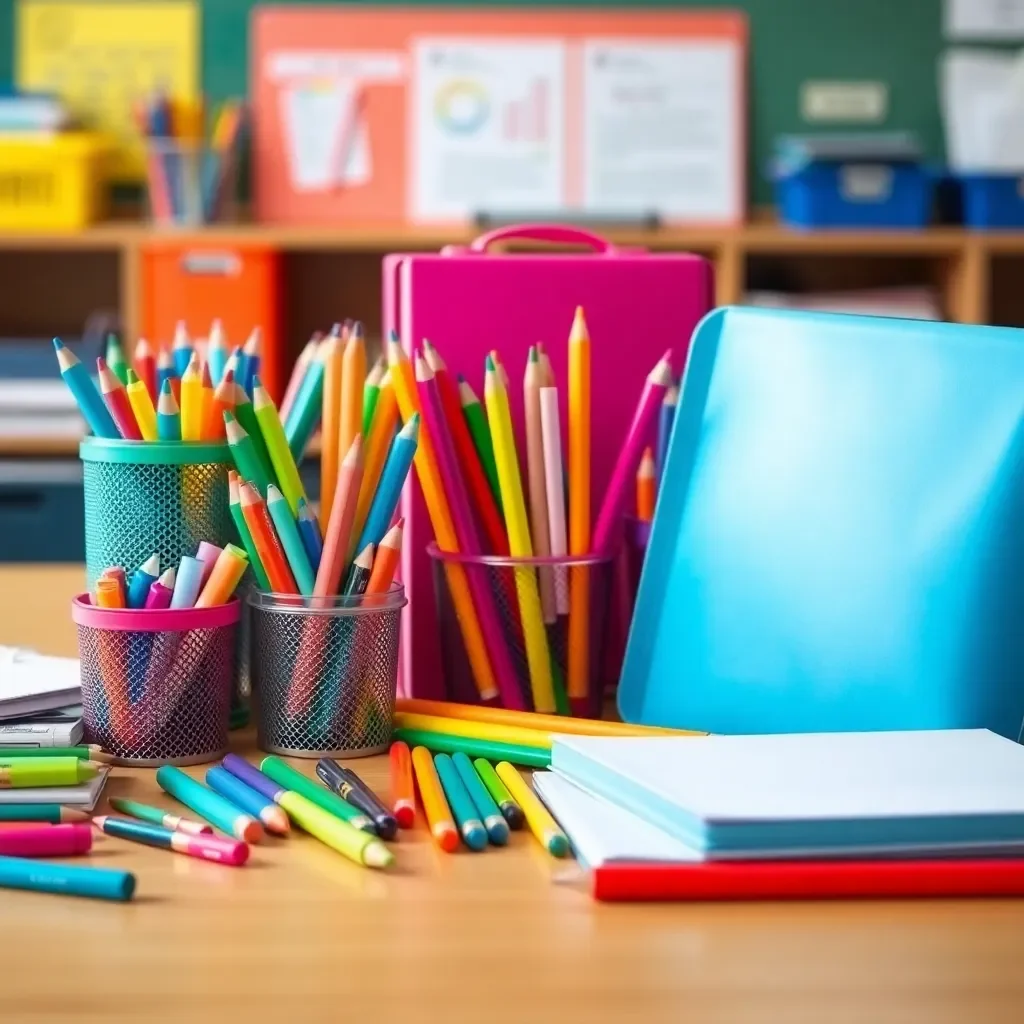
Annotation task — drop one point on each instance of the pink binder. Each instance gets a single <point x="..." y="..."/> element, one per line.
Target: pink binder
<point x="468" y="300"/>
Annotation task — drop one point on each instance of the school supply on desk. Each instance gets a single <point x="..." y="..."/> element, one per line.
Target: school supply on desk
<point x="234" y="790"/>
<point x="510" y="810"/>
<point x="98" y="883"/>
<point x="84" y="796"/>
<point x="46" y="841"/>
<point x="52" y="813"/>
<point x="90" y="752"/>
<point x="486" y="808"/>
<point x="795" y="616"/>
<point x="810" y="795"/>
<point x="347" y="784"/>
<point x="204" y="847"/>
<point x="435" y="806"/>
<point x="531" y="756"/>
<point x="296" y="782"/>
<point x="541" y="824"/>
<point x="25" y="772"/>
<point x="669" y="296"/>
<point x="208" y="805"/>
<point x="471" y="828"/>
<point x="157" y="816"/>
<point x="403" y="787"/>
<point x="31" y="683"/>
<point x="58" y="727"/>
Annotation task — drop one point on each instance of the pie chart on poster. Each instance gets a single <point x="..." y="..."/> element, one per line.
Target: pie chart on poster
<point x="462" y="106"/>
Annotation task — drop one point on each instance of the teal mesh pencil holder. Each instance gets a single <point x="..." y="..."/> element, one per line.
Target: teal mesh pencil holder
<point x="159" y="496"/>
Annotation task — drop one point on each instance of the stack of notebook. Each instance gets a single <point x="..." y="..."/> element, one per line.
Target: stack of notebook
<point x="809" y="815"/>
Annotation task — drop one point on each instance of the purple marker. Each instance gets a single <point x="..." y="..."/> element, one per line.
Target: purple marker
<point x="253" y="777"/>
<point x="207" y="554"/>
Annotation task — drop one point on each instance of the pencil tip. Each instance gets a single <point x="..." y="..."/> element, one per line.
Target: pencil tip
<point x="489" y="363"/>
<point x="133" y="377"/>
<point x="57" y="344"/>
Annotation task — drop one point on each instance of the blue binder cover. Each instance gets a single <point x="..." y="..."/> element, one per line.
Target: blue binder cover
<point x="839" y="538"/>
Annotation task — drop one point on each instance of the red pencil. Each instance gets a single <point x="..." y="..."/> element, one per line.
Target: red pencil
<point x="116" y="398"/>
<point x="145" y="367"/>
<point x="266" y="541"/>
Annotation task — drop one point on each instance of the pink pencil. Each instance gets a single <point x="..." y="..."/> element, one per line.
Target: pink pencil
<point x="624" y="473"/>
<point x="465" y="532"/>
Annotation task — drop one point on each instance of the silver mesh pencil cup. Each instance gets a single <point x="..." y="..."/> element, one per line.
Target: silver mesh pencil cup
<point x="324" y="672"/>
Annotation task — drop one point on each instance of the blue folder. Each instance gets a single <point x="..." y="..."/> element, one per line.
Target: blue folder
<point x="839" y="538"/>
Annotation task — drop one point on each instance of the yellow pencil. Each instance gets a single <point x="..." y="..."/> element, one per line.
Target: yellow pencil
<point x="382" y="431"/>
<point x="542" y="825"/>
<point x="474" y="730"/>
<point x="538" y="656"/>
<point x="192" y="401"/>
<point x="439" y="815"/>
<point x="579" y="509"/>
<point x="142" y="406"/>
<point x="353" y="377"/>
<point x="404" y="382"/>
<point x="329" y="420"/>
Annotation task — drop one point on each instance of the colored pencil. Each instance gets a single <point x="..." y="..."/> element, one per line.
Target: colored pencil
<point x="285" y="469"/>
<point x="116" y="398"/>
<point x="222" y="401"/>
<point x="437" y="508"/>
<point x="243" y="451"/>
<point x="142" y="579"/>
<point x="52" y="813"/>
<point x="646" y="487"/>
<point x="306" y="356"/>
<point x="208" y="805"/>
<point x="142" y="406"/>
<point x="227" y="574"/>
<point x="533" y="757"/>
<point x="87" y="397"/>
<point x="181" y="348"/>
<point x="474" y="835"/>
<point x="539" y="524"/>
<point x="168" y="418"/>
<point x="540" y="738"/>
<point x="188" y="582"/>
<point x="265" y="539"/>
<point x="538" y="656"/>
<point x="403" y="788"/>
<point x="466" y="534"/>
<point x="158" y="816"/>
<point x="360" y="847"/>
<point x="353" y="376"/>
<point x="145" y="368"/>
<point x="435" y="806"/>
<point x="371" y="392"/>
<point x="330" y="419"/>
<point x="115" y="358"/>
<point x="578" y="645"/>
<point x="378" y="443"/>
<point x="246" y="417"/>
<point x="348" y="785"/>
<point x="542" y="825"/>
<point x="26" y="772"/>
<point x="510" y="810"/>
<point x="392" y="480"/>
<point x="204" y="847"/>
<point x="476" y="480"/>
<point x="339" y="526"/>
<point x="253" y="353"/>
<point x="253" y="777"/>
<point x="294" y="781"/>
<point x="161" y="591"/>
<point x="209" y="428"/>
<point x="36" y="876"/>
<point x="386" y="559"/>
<point x="554" y="486"/>
<point x="84" y="752"/>
<point x="359" y="573"/>
<point x="216" y="351"/>
<point x="288" y="533"/>
<point x="487" y="810"/>
<point x="666" y="419"/>
<point x="309" y="531"/>
<point x="547" y="374"/>
<point x="235" y="791"/>
<point x="192" y="400"/>
<point x="165" y="374"/>
<point x="243" y="531"/>
<point x="304" y="414"/>
<point x="476" y="423"/>
<point x="624" y="473"/>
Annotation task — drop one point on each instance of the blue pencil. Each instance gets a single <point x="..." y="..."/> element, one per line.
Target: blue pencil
<point x="392" y="480"/>
<point x="85" y="393"/>
<point x="309" y="531"/>
<point x="666" y="417"/>
<point x="168" y="417"/>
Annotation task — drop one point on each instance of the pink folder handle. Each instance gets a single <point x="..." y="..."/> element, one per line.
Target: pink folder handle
<point x="557" y="234"/>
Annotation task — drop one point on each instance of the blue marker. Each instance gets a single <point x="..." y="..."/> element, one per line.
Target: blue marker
<point x="41" y="876"/>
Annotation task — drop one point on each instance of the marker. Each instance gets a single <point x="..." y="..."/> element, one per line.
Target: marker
<point x="296" y="782"/>
<point x="46" y="841"/>
<point x="30" y="772"/>
<point x="205" y="847"/>
<point x="221" y="781"/>
<point x="339" y="835"/>
<point x="350" y="787"/>
<point x="98" y="883"/>
<point x="207" y="804"/>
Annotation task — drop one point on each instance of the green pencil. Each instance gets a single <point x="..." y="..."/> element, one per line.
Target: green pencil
<point x="53" y="813"/>
<point x="247" y="459"/>
<point x="371" y="392"/>
<point x="246" y="416"/>
<point x="476" y="420"/>
<point x="89" y="752"/>
<point x="25" y="772"/>
<point x="245" y="535"/>
<point x="288" y="534"/>
<point x="116" y="358"/>
<point x="284" y="775"/>
<point x="532" y="757"/>
<point x="285" y="469"/>
<point x="510" y="810"/>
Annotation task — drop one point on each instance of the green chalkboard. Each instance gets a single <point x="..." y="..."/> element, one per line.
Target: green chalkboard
<point x="791" y="41"/>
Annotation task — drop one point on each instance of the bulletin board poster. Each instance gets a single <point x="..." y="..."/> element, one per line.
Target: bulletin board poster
<point x="103" y="58"/>
<point x="437" y="116"/>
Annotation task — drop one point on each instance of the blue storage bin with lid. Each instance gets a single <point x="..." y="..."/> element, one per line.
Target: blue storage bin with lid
<point x="992" y="200"/>
<point x="872" y="180"/>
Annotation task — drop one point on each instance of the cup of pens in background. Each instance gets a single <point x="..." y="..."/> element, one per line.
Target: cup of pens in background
<point x="157" y="653"/>
<point x="190" y="179"/>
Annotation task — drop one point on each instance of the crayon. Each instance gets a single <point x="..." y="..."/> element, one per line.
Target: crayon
<point x="435" y="805"/>
<point x="474" y="835"/>
<point x="233" y="789"/>
<point x="142" y="579"/>
<point x="168" y="417"/>
<point x="89" y="401"/>
<point x="510" y="810"/>
<point x="361" y="847"/>
<point x="296" y="782"/>
<point x="52" y="813"/>
<point x="116" y="398"/>
<point x="142" y="406"/>
<point x="487" y="809"/>
<point x="533" y="757"/>
<point x="347" y="784"/>
<point x="157" y="816"/>
<point x="281" y="459"/>
<point x="99" y="883"/>
<point x="542" y="825"/>
<point x="291" y="540"/>
<point x="26" y="772"/>
<point x="188" y="583"/>
<point x="46" y="841"/>
<point x="208" y="805"/>
<point x="403" y="791"/>
<point x="309" y="531"/>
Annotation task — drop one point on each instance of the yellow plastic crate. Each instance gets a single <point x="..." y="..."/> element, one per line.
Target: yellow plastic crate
<point x="52" y="183"/>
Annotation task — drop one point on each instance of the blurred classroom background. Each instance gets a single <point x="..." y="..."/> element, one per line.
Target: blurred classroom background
<point x="169" y="161"/>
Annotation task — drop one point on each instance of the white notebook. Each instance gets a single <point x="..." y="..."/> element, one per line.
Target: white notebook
<point x="812" y="794"/>
<point x="30" y="682"/>
<point x="602" y="832"/>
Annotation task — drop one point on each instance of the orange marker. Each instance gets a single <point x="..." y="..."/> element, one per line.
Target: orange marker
<point x="403" y="791"/>
<point x="265" y="540"/>
<point x="227" y="571"/>
<point x="646" y="491"/>
<point x="439" y="816"/>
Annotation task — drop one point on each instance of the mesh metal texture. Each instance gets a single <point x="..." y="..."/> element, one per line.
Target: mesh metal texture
<point x="325" y="681"/>
<point x="241" y="691"/>
<point x="134" y="509"/>
<point x="501" y="581"/>
<point x="158" y="697"/>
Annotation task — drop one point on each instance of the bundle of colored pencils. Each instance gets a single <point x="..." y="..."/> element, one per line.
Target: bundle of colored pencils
<point x="468" y="468"/>
<point x="179" y="393"/>
<point x="358" y="550"/>
<point x="651" y="472"/>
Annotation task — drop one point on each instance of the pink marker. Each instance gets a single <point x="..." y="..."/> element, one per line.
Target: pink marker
<point x="207" y="554"/>
<point x="223" y="851"/>
<point x="161" y="591"/>
<point x="46" y="841"/>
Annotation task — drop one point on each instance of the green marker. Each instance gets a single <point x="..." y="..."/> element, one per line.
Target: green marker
<point x="531" y="757"/>
<point x="291" y="541"/>
<point x="284" y="775"/>
<point x="476" y="420"/>
<point x="510" y="810"/>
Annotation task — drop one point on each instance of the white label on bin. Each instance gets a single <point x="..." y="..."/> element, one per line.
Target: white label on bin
<point x="212" y="264"/>
<point x="865" y="183"/>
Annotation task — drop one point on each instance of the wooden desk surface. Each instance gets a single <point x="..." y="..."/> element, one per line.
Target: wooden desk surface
<point x="483" y="937"/>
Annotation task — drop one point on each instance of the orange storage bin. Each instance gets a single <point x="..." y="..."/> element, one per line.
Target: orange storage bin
<point x="199" y="282"/>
